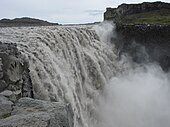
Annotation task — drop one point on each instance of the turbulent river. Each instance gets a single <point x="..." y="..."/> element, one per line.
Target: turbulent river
<point x="80" y="66"/>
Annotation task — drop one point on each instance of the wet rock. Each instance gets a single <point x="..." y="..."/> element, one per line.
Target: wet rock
<point x="5" y="107"/>
<point x="155" y="40"/>
<point x="12" y="96"/>
<point x="6" y="93"/>
<point x="3" y="85"/>
<point x="14" y="70"/>
<point x="30" y="112"/>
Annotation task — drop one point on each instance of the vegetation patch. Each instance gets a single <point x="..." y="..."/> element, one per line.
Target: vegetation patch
<point x="151" y="17"/>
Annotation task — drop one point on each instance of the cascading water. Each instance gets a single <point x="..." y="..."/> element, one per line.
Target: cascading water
<point x="74" y="64"/>
<point x="68" y="64"/>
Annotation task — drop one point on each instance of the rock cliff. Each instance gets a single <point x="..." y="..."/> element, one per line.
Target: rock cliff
<point x="14" y="71"/>
<point x="145" y="25"/>
<point x="154" y="39"/>
<point x="118" y="14"/>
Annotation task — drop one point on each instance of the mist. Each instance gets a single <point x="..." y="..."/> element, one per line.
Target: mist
<point x="138" y="96"/>
<point x="105" y="31"/>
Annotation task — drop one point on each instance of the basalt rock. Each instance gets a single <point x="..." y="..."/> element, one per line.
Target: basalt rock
<point x="29" y="112"/>
<point x="5" y="107"/>
<point x="154" y="39"/>
<point x="14" y="71"/>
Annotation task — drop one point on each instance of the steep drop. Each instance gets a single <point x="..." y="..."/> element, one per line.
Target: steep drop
<point x="67" y="64"/>
<point x="80" y="66"/>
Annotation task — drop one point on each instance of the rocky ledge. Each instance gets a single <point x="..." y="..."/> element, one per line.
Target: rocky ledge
<point x="18" y="108"/>
<point x="25" y="21"/>
<point x="14" y="72"/>
<point x="29" y="112"/>
<point x="130" y="12"/>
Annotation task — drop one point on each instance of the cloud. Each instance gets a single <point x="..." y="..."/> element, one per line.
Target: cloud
<point x="95" y="12"/>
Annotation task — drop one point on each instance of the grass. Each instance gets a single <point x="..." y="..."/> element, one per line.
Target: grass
<point x="151" y="17"/>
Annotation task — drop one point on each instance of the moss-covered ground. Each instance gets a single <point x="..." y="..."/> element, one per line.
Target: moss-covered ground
<point x="151" y="17"/>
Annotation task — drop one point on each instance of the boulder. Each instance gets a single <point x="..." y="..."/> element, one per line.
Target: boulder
<point x="5" y="107"/>
<point x="29" y="112"/>
<point x="12" y="96"/>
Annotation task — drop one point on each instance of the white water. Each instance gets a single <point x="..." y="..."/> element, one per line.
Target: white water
<point x="78" y="65"/>
<point x="139" y="97"/>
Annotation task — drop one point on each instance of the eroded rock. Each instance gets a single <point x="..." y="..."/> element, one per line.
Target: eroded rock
<point x="29" y="112"/>
<point x="14" y="70"/>
<point x="5" y="107"/>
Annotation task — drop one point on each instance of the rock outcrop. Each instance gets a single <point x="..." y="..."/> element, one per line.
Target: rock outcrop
<point x="5" y="107"/>
<point x="14" y="71"/>
<point x="25" y="21"/>
<point x="154" y="39"/>
<point x="117" y="14"/>
<point x="29" y="112"/>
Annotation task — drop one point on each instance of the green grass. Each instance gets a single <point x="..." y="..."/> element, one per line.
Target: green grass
<point x="151" y="17"/>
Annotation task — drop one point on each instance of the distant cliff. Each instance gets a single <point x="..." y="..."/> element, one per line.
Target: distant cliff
<point x="25" y="21"/>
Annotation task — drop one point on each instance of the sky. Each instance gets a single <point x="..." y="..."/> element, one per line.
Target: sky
<point x="61" y="11"/>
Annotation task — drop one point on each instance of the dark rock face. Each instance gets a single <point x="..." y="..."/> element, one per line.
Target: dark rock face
<point x="116" y="14"/>
<point x="14" y="71"/>
<point x="24" y="22"/>
<point x="143" y="42"/>
<point x="29" y="112"/>
<point x="154" y="39"/>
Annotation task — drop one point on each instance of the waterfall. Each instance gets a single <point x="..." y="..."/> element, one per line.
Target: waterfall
<point x="67" y="63"/>
<point x="78" y="65"/>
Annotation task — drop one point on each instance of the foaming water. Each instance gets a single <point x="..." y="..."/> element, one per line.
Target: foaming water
<point x="67" y="63"/>
<point x="105" y="31"/>
<point x="138" y="96"/>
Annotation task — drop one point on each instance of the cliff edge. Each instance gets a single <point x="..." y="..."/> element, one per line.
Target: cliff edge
<point x="143" y="13"/>
<point x="143" y="31"/>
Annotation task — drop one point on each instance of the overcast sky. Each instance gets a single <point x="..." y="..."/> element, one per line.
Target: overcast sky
<point x="61" y="11"/>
